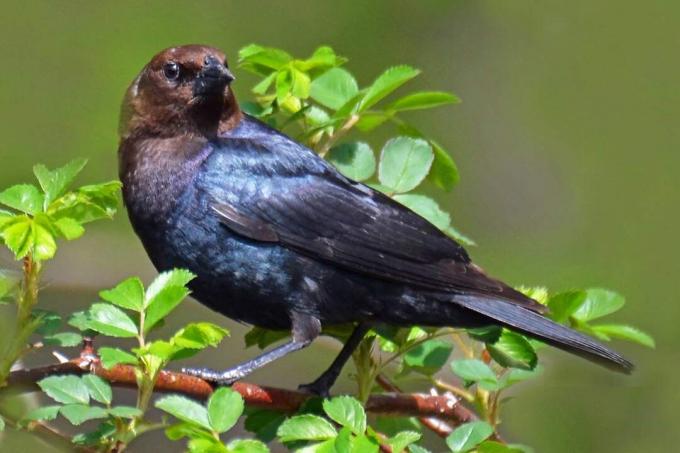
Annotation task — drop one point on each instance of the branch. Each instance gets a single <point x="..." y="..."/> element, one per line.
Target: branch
<point x="443" y="407"/>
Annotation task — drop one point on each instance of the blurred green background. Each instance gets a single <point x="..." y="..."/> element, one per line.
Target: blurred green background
<point x="566" y="139"/>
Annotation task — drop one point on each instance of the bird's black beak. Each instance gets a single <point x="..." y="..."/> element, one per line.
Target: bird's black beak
<point x="212" y="78"/>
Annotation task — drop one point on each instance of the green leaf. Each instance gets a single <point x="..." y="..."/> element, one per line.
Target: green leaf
<point x="513" y="350"/>
<point x="87" y="204"/>
<point x="184" y="409"/>
<point x="423" y="100"/>
<point x="225" y="406"/>
<point x="199" y="335"/>
<point x="403" y="440"/>
<point x="112" y="321"/>
<point x="44" y="413"/>
<point x="427" y="208"/>
<point x="354" y="160"/>
<point x="206" y="445"/>
<point x="491" y="446"/>
<point x="247" y="446"/>
<point x="99" y="389"/>
<point x="65" y="389"/>
<point x="487" y="334"/>
<point x="404" y="163"/>
<point x="114" y="356"/>
<point x="63" y="339"/>
<point x="9" y="283"/>
<point x="564" y="305"/>
<point x="55" y="182"/>
<point x="625" y="332"/>
<point x="305" y="427"/>
<point x="258" y="58"/>
<point x="323" y="58"/>
<point x="369" y="121"/>
<point x="475" y="371"/>
<point x="19" y="236"/>
<point x="348" y="412"/>
<point x="48" y="321"/>
<point x="263" y="423"/>
<point x="78" y="414"/>
<point x="334" y="88"/>
<point x="127" y="294"/>
<point x="468" y="436"/>
<point x="23" y="197"/>
<point x="428" y="357"/>
<point x="417" y="449"/>
<point x="164" y="294"/>
<point x="2" y="424"/>
<point x="301" y="84"/>
<point x="44" y="245"/>
<point x="284" y="84"/>
<point x="459" y="237"/>
<point x="599" y="303"/>
<point x="190" y="430"/>
<point x="386" y="83"/>
<point x="69" y="228"/>
<point x="164" y="303"/>
<point x="444" y="173"/>
<point x="125" y="412"/>
<point x="100" y="435"/>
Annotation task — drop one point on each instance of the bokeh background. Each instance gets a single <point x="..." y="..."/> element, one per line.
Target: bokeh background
<point x="567" y="141"/>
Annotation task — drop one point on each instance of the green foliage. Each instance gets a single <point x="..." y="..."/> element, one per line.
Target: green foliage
<point x="468" y="436"/>
<point x="43" y="215"/>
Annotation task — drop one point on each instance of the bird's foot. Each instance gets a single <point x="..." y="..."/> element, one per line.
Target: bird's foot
<point x="227" y="377"/>
<point x="321" y="387"/>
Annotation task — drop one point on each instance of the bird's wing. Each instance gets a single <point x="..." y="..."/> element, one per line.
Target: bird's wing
<point x="304" y="204"/>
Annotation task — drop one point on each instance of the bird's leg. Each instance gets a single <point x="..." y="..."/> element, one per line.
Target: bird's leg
<point x="322" y="385"/>
<point x="304" y="330"/>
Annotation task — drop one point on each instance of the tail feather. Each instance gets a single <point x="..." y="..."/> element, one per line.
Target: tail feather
<point x="541" y="328"/>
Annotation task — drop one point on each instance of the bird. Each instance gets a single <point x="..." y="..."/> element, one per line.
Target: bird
<point x="278" y="238"/>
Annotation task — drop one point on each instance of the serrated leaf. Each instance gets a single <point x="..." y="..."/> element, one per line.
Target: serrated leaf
<point x="369" y="120"/>
<point x="428" y="357"/>
<point x="348" y="412"/>
<point x="427" y="208"/>
<point x="475" y="371"/>
<point x="23" y="197"/>
<point x="55" y="182"/>
<point x="110" y="320"/>
<point x="184" y="409"/>
<point x="354" y="160"/>
<point x="467" y="436"/>
<point x="491" y="446"/>
<point x="18" y="236"/>
<point x="305" y="427"/>
<point x="459" y="237"/>
<point x="163" y="303"/>
<point x="88" y="203"/>
<point x="625" y="332"/>
<point x="127" y="294"/>
<point x="175" y="277"/>
<point x="565" y="304"/>
<point x="44" y="413"/>
<point x="403" y="440"/>
<point x="102" y="433"/>
<point x="598" y="303"/>
<point x="125" y="412"/>
<point x="513" y="350"/>
<point x="264" y="423"/>
<point x="78" y="414"/>
<point x="44" y="244"/>
<point x="255" y="58"/>
<point x="69" y="228"/>
<point x="225" y="406"/>
<point x="190" y="430"/>
<point x="386" y="83"/>
<point x="99" y="389"/>
<point x="65" y="389"/>
<point x="404" y="163"/>
<point x="199" y="335"/>
<point x="423" y="100"/>
<point x="247" y="446"/>
<point x="444" y="172"/>
<point x="334" y="88"/>
<point x="487" y="334"/>
<point x="206" y="445"/>
<point x="301" y="84"/>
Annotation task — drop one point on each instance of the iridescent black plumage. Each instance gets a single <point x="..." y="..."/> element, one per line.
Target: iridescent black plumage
<point x="278" y="238"/>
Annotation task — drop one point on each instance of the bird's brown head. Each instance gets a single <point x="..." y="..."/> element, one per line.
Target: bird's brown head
<point x="182" y="90"/>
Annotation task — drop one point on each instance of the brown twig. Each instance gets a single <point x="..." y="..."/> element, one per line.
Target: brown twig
<point x="419" y="405"/>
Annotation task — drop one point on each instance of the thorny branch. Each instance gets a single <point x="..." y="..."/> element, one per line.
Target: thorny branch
<point x="442" y="407"/>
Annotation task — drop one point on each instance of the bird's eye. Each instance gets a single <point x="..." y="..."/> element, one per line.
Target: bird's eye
<point x="171" y="71"/>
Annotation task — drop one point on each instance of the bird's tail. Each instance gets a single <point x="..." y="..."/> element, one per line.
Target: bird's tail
<point x="534" y="325"/>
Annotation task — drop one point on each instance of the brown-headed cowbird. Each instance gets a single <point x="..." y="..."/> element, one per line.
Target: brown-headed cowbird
<point x="279" y="239"/>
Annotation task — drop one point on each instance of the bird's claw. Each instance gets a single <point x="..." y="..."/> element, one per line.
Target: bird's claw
<point x="216" y="377"/>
